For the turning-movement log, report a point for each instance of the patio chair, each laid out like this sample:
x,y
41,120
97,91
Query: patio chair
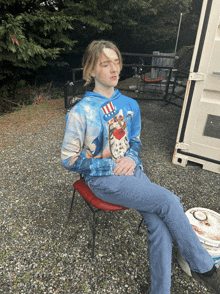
x,y
156,80
95,204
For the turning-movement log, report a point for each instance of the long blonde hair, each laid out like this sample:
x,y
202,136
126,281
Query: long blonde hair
x,y
93,53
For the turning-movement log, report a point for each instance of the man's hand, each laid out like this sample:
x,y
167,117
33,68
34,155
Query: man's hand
x,y
125,166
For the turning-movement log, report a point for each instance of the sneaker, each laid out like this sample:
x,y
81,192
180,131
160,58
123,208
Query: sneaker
x,y
211,283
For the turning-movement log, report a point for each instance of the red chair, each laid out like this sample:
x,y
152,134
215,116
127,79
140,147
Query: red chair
x,y
95,204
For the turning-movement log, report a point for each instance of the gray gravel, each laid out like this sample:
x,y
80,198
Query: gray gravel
x,y
40,254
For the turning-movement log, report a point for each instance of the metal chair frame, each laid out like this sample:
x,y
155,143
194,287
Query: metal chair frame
x,y
94,212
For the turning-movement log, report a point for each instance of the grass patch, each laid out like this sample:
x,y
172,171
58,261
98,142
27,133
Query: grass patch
x,y
30,119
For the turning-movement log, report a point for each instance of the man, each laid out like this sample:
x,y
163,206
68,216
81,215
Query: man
x,y
102,141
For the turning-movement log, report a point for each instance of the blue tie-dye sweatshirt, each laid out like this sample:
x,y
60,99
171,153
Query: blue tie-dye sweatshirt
x,y
98,131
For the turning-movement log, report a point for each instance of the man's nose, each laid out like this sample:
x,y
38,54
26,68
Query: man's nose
x,y
114,67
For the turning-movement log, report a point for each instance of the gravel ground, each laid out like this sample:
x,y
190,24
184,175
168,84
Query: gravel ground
x,y
41,253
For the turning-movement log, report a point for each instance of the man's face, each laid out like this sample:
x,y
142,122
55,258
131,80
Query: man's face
x,y
107,69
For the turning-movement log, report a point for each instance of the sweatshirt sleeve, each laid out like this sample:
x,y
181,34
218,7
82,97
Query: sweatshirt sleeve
x,y
135,142
73,151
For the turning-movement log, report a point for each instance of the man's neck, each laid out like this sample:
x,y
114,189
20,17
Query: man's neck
x,y
104,92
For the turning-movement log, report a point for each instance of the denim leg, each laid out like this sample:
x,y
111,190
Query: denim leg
x,y
137,192
160,253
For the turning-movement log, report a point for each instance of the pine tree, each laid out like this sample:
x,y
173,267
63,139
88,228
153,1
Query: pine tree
x,y
34,32
31,31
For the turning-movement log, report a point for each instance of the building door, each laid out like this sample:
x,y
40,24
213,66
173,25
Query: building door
x,y
198,138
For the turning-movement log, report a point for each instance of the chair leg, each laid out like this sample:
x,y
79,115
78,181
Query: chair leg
x,y
73,197
138,231
69,214
94,233
71,207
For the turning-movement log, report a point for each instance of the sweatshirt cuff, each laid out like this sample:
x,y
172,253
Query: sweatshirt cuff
x,y
133,158
113,165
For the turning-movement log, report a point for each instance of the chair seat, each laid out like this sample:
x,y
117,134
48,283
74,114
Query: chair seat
x,y
87,194
152,80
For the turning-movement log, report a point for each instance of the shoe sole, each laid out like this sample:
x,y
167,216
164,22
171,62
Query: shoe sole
x,y
198,279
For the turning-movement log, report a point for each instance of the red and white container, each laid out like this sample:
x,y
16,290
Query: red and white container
x,y
206,224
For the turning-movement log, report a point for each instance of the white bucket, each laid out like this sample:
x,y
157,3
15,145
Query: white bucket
x,y
206,224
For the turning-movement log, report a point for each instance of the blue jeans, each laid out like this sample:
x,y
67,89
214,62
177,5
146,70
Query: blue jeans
x,y
165,219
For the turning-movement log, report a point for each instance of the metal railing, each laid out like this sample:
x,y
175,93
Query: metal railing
x,y
71,88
